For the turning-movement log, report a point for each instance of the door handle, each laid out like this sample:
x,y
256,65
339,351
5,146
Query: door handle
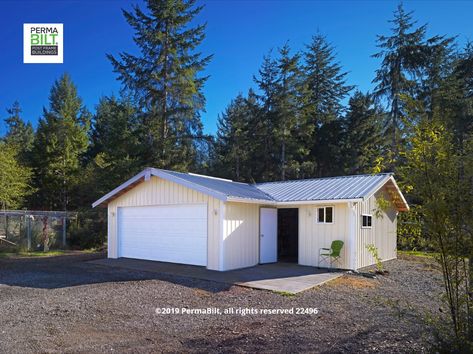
x,y
262,235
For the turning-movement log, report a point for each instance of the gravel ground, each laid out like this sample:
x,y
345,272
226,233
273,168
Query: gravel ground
x,y
65,304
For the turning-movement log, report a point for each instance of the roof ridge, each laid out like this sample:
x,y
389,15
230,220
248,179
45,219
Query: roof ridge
x,y
325,178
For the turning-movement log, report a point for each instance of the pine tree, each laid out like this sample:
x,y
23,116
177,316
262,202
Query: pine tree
x,y
326,88
60,145
19,134
165,79
289,115
403,57
363,134
266,122
115,152
233,139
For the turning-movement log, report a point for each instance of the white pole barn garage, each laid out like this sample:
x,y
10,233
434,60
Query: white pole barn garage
x,y
200,220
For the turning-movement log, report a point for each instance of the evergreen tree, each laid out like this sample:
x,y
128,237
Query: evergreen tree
x,y
363,136
20,135
60,144
165,78
233,139
289,124
115,152
266,121
403,58
326,88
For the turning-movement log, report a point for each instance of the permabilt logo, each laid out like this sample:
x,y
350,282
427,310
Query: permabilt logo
x,y
43,43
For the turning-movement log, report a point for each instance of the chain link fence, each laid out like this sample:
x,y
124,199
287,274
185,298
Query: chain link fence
x,y
29,230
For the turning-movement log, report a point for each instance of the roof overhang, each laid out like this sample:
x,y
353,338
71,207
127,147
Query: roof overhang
x,y
398,199
328,201
388,183
145,175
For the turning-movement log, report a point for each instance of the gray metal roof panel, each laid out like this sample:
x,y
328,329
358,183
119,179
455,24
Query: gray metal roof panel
x,y
332,188
227,187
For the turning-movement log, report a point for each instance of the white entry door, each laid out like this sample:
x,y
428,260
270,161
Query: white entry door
x,y
268,249
167,233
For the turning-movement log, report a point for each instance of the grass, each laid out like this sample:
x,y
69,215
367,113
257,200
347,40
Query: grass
x,y
418,254
26,254
284,293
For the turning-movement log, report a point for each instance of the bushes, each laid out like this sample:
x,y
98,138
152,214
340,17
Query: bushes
x,y
89,230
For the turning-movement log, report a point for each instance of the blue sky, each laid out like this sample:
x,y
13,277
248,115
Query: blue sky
x,y
239,33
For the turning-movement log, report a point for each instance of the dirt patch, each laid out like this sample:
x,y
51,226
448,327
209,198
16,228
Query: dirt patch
x,y
356,282
202,293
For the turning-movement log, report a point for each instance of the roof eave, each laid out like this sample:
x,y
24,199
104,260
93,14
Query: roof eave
x,y
145,175
321,201
390,178
131,182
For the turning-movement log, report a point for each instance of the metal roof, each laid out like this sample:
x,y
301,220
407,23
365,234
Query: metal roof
x,y
223,186
320,189
332,188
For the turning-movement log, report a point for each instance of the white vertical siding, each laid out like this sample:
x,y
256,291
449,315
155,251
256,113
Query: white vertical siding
x,y
313,236
158,191
240,235
382,233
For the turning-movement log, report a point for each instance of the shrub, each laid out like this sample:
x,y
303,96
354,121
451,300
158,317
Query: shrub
x,y
373,250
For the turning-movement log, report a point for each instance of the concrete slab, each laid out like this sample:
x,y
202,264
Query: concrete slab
x,y
281,277
292,285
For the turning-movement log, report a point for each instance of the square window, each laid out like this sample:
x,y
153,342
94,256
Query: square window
x,y
367,221
325,215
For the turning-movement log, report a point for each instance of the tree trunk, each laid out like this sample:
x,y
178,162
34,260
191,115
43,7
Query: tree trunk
x,y
165,95
283,160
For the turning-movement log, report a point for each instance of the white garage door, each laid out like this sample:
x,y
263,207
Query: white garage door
x,y
167,233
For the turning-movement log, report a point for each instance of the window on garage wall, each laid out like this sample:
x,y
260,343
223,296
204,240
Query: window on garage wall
x,y
325,215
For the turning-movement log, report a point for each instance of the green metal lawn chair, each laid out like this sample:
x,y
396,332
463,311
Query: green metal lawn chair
x,y
332,254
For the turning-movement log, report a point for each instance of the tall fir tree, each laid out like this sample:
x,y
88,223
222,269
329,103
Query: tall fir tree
x,y
326,88
363,134
19,135
233,140
60,144
289,118
267,81
402,57
166,79
114,152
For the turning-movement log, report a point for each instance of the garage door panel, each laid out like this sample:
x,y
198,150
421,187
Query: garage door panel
x,y
166,212
176,233
174,229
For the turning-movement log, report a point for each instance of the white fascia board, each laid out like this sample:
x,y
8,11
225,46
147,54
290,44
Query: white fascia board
x,y
305,202
167,176
328,201
132,180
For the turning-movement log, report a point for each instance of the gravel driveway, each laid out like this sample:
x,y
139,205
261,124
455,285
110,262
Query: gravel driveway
x,y
66,304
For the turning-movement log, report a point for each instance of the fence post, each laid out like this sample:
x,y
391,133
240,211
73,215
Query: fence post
x,y
64,231
7,219
28,232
